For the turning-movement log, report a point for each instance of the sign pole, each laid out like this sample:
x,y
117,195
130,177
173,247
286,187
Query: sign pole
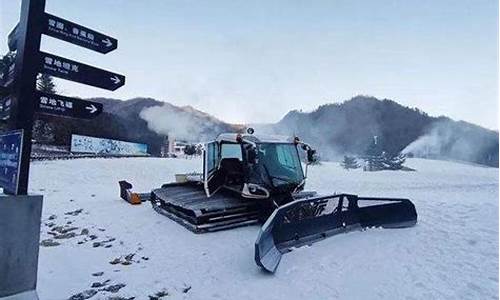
x,y
27,59
20,213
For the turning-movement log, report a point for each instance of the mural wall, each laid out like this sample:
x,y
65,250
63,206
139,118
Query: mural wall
x,y
88,144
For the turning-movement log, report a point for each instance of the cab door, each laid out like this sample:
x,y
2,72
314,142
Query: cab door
x,y
213,178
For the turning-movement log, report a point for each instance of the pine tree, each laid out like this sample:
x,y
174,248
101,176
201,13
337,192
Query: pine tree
x,y
44,132
374,163
7,60
374,156
190,150
46,84
393,161
349,162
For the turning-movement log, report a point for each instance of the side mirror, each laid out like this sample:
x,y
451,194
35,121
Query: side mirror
x,y
311,156
251,155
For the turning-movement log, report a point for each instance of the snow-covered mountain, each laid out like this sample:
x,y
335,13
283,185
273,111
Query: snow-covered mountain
x,y
350,127
334,129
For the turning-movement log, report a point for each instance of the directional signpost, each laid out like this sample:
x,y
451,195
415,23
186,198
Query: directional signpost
x,y
24,101
67,107
19,101
75,71
76,34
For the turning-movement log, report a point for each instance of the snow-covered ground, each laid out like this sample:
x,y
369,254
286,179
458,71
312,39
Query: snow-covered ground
x,y
451,253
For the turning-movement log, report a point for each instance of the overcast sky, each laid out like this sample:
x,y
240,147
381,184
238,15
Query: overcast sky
x,y
253,61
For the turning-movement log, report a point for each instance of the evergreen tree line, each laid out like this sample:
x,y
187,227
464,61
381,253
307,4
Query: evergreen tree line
x,y
376,159
381,162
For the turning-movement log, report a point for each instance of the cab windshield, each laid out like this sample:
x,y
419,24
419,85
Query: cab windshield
x,y
281,163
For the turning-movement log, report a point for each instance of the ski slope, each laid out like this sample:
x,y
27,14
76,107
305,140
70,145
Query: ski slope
x,y
452,253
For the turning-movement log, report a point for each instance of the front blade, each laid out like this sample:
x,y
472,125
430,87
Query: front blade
x,y
306,221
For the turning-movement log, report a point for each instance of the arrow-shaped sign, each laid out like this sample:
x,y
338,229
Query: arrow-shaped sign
x,y
75,71
77,34
66,106
92,109
107,42
115,79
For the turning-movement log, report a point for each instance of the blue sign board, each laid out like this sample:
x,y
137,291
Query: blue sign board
x,y
10,159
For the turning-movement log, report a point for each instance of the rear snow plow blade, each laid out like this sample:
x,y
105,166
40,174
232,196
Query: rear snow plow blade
x,y
129,196
303,222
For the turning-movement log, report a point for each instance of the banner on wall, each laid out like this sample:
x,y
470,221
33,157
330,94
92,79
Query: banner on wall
x,y
89,144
